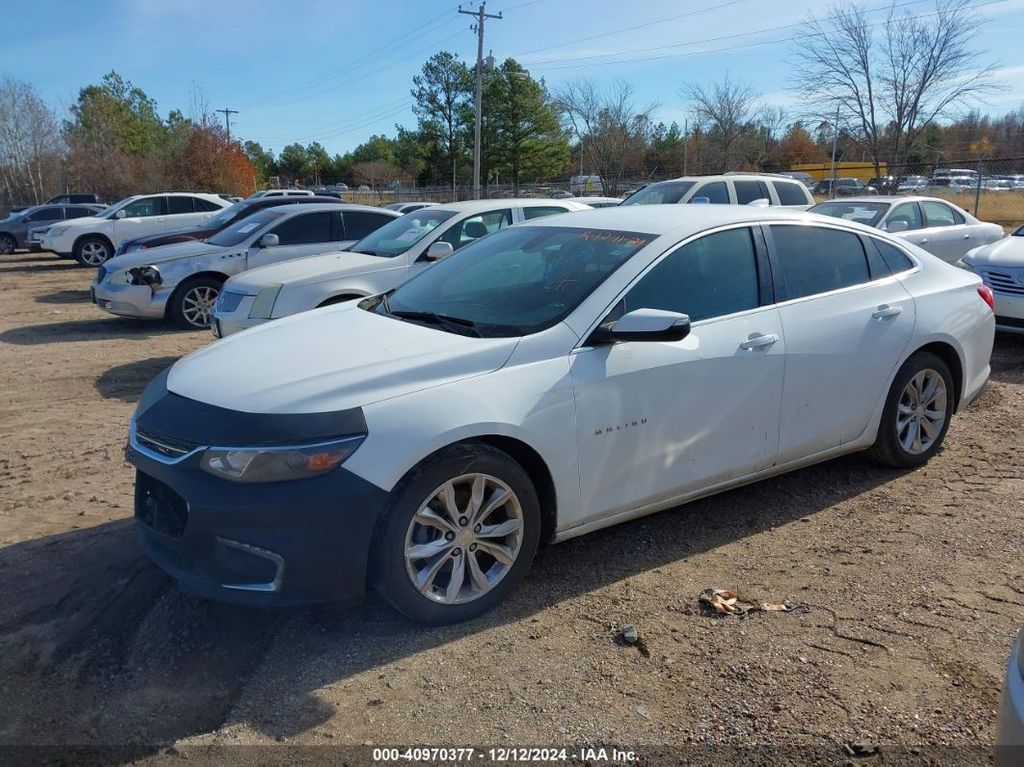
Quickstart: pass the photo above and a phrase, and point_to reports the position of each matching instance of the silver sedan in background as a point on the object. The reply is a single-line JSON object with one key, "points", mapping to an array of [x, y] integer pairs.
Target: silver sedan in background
{"points": [[938, 226]]}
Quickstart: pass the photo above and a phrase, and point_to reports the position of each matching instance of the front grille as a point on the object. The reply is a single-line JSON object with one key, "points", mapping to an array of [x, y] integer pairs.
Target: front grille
{"points": [[1003, 281], [227, 301], [158, 507], [170, 447]]}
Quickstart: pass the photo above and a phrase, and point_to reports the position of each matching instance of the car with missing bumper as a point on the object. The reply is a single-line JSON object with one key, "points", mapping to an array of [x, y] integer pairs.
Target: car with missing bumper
{"points": [[548, 380], [383, 260], [181, 281], [1001, 266]]}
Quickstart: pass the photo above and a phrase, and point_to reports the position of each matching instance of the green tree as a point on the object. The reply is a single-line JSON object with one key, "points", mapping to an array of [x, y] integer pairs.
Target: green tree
{"points": [[319, 160], [442, 91], [293, 162], [262, 159], [524, 130]]}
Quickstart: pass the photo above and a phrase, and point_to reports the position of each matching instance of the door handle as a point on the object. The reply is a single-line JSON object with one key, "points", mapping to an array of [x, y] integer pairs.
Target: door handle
{"points": [[923, 240], [967, 236], [885, 311], [758, 341]]}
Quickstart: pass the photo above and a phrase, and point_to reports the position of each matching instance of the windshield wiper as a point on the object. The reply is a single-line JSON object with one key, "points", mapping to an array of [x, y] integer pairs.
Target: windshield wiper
{"points": [[456, 324]]}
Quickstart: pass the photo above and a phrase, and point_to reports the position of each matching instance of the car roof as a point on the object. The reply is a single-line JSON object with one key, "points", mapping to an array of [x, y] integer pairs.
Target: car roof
{"points": [[682, 220], [892, 198], [312, 207], [471, 206], [733, 176]]}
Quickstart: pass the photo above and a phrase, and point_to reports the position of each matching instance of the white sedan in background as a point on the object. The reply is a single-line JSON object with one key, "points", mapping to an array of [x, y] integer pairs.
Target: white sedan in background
{"points": [[548, 380], [381, 261], [1001, 267], [938, 226]]}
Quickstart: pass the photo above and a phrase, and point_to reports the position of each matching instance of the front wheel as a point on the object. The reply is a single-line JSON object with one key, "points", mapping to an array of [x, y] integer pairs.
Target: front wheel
{"points": [[917, 412], [191, 305], [7, 244], [459, 535], [93, 251]]}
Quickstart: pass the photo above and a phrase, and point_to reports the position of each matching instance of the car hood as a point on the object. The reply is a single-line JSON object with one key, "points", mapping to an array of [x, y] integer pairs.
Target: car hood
{"points": [[162, 254], [307, 271], [1009, 251], [331, 359]]}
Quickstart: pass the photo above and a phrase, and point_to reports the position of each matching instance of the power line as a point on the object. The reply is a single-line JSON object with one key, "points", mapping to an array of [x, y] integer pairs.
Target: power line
{"points": [[227, 118], [481, 15]]}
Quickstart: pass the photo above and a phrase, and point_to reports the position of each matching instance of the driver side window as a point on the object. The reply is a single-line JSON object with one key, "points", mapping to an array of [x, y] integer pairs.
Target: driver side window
{"points": [[145, 207], [909, 214], [709, 277], [475, 227]]}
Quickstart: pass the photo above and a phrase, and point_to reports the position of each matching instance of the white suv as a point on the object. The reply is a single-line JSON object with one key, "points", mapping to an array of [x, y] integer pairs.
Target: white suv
{"points": [[380, 261], [727, 189], [93, 240]]}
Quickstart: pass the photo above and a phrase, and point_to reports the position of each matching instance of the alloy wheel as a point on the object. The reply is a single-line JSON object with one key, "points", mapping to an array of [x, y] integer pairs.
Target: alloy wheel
{"points": [[921, 412], [464, 539], [197, 305], [94, 253]]}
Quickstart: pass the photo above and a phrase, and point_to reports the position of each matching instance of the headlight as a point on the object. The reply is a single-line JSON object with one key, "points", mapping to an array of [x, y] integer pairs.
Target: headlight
{"points": [[263, 306], [57, 231], [143, 275], [278, 464]]}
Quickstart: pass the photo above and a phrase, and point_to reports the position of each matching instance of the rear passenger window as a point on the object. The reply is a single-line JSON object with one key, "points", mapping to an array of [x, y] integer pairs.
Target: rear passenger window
{"points": [[716, 192], [748, 191], [179, 205], [305, 229], [540, 212], [205, 206], [816, 260], [790, 194], [709, 277], [896, 259], [358, 223]]}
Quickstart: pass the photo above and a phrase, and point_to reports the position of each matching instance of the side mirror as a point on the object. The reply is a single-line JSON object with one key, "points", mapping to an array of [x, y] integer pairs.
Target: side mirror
{"points": [[120, 214], [269, 241], [897, 226], [643, 325], [438, 251]]}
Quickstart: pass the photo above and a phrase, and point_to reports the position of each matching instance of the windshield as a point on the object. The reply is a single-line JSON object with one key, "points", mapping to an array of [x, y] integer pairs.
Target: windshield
{"points": [[398, 236], [516, 281], [659, 194], [240, 230], [226, 216], [869, 213]]}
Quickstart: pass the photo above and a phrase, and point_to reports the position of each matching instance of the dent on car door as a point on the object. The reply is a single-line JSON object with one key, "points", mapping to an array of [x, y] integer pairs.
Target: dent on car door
{"points": [[846, 324], [656, 420]]}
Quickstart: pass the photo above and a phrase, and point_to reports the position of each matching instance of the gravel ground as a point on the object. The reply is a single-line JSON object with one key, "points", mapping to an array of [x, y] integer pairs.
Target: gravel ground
{"points": [[914, 584]]}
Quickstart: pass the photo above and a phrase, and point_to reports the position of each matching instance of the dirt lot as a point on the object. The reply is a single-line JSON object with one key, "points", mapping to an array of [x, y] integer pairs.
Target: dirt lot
{"points": [[915, 583]]}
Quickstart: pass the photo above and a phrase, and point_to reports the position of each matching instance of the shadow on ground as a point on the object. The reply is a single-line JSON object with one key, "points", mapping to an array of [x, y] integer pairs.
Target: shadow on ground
{"points": [[126, 382], [72, 331], [64, 297]]}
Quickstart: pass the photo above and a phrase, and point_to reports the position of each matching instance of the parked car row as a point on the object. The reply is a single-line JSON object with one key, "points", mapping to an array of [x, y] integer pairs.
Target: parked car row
{"points": [[19, 229]]}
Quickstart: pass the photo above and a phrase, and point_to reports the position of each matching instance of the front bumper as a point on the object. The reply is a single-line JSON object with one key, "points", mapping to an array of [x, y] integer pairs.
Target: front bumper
{"points": [[127, 300], [226, 324], [1010, 726], [270, 544], [1009, 312]]}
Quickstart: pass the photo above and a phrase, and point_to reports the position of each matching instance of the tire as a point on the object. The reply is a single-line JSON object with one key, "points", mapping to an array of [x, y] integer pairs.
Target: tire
{"points": [[93, 251], [454, 540], [905, 416], [191, 305], [7, 245]]}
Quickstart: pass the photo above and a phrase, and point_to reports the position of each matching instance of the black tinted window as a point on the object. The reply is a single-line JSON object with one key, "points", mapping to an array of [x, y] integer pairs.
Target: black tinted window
{"points": [[748, 191], [790, 194], [817, 260], [540, 212], [45, 214], [716, 192], [205, 206], [358, 224], [305, 229], [179, 205], [709, 277], [76, 212], [895, 258]]}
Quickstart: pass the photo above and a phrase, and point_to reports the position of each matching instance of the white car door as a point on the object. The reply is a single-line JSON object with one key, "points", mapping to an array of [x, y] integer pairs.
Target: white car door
{"points": [[846, 322], [946, 233], [305, 234], [142, 217], [655, 420]]}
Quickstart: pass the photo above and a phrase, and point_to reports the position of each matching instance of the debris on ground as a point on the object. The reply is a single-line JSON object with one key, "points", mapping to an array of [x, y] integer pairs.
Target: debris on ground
{"points": [[630, 635], [726, 602], [860, 749]]}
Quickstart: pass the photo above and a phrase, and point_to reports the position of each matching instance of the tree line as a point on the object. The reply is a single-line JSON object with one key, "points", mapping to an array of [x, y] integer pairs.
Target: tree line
{"points": [[880, 92]]}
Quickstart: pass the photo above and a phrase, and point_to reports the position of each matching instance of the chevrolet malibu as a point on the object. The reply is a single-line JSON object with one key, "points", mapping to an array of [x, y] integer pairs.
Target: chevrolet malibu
{"points": [[548, 380]]}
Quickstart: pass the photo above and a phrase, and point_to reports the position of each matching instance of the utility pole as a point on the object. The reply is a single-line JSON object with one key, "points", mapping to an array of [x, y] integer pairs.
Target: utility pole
{"points": [[227, 118], [480, 14]]}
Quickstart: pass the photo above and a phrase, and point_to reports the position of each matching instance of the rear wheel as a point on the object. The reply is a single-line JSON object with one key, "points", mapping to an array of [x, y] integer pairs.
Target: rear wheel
{"points": [[460, 533], [191, 305], [93, 251], [7, 244], [917, 412]]}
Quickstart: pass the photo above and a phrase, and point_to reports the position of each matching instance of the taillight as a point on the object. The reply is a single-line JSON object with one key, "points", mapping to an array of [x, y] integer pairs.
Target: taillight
{"points": [[987, 296]]}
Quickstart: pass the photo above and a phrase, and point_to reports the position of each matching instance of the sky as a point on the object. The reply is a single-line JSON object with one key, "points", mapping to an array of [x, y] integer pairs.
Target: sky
{"points": [[339, 71]]}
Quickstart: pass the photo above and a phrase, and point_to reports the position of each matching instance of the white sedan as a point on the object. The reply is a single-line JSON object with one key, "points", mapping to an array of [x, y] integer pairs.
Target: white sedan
{"points": [[1001, 267], [383, 260], [551, 379], [938, 226]]}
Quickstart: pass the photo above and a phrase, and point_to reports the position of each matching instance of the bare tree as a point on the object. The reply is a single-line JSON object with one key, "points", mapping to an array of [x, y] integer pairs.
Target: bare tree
{"points": [[725, 110], [772, 121], [30, 144], [890, 80], [612, 130]]}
